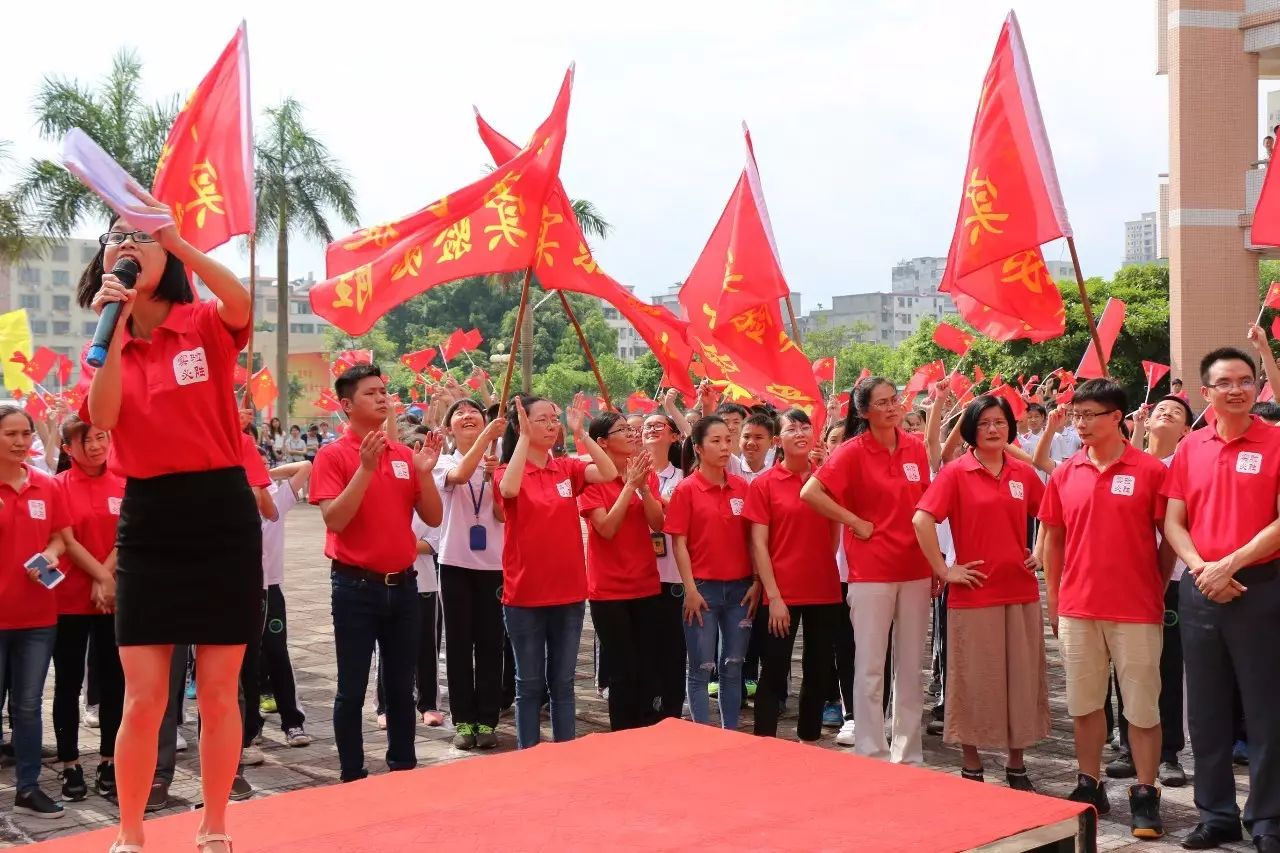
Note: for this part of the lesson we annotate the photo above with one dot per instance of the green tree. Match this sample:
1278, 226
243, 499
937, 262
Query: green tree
14, 236
114, 115
298, 184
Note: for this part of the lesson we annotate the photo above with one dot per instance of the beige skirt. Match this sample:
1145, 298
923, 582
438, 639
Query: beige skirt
997, 691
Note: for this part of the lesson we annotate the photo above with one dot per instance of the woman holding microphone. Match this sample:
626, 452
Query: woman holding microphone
189, 551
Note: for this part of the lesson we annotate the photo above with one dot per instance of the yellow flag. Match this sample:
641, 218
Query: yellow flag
15, 336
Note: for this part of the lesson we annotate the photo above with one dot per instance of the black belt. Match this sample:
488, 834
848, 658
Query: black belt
380, 578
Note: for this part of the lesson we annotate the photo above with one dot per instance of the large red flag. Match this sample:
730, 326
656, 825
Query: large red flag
639, 402
1265, 230
748, 354
565, 263
949, 337
1010, 205
205, 171
493, 225
1108, 330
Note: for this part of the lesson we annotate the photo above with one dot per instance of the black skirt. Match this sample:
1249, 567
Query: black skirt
189, 560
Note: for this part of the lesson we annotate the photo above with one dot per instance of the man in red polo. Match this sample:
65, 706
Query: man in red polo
368, 487
1105, 576
1223, 521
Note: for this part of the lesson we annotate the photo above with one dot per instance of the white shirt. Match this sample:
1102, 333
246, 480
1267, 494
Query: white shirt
668, 479
273, 533
460, 516
739, 468
1179, 567
1058, 449
425, 563
1071, 444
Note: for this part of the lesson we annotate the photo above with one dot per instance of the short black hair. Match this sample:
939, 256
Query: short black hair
973, 413
1103, 391
732, 409
345, 386
1035, 407
1175, 381
73, 428
1186, 407
601, 425
1224, 354
458, 404
763, 420
1268, 411
173, 286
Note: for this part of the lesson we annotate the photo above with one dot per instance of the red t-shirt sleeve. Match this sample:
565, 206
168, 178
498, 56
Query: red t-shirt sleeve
215, 332
939, 497
328, 475
1175, 482
60, 512
254, 466
1051, 502
836, 474
592, 498
679, 511
578, 474
756, 509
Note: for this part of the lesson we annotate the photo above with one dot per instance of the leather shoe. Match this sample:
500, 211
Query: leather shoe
1267, 843
1207, 836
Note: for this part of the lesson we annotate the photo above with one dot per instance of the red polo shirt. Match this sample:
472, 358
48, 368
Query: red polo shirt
380, 536
542, 559
29, 517
882, 488
93, 509
712, 520
178, 408
626, 565
988, 522
1229, 487
1110, 569
255, 467
802, 544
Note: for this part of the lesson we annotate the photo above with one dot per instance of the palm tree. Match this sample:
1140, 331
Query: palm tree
14, 237
298, 180
113, 115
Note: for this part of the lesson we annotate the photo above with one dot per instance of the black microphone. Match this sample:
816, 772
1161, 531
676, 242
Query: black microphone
126, 270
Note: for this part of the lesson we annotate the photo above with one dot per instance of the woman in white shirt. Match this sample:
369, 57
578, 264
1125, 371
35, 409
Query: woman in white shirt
470, 558
661, 438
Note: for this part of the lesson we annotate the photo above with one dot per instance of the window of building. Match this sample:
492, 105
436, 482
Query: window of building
40, 327
271, 305
90, 327
28, 275
302, 328
30, 301
61, 303
61, 278
88, 253
61, 252
61, 327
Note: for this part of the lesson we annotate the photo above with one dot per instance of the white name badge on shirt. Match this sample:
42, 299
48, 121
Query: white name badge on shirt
735, 505
113, 506
1015, 489
912, 470
1249, 463
1122, 484
190, 366
400, 468
565, 489
36, 508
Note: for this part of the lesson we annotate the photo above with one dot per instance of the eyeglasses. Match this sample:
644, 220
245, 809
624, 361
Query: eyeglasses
1087, 418
1222, 386
887, 402
115, 238
656, 428
627, 430
1000, 424
546, 422
798, 429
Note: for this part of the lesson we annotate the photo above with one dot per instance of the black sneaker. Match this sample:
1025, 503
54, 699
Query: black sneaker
73, 787
1091, 791
1172, 775
35, 803
240, 788
1144, 806
105, 784
1018, 780
6, 754
1121, 767
159, 797
971, 775
1206, 836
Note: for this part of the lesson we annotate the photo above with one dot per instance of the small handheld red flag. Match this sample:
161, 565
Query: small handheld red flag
459, 342
418, 359
824, 369
949, 337
38, 366
1154, 371
350, 358
1108, 330
640, 402
1273, 295
262, 389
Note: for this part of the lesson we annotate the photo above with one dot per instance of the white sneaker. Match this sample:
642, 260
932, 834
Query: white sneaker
91, 716
845, 737
251, 756
182, 743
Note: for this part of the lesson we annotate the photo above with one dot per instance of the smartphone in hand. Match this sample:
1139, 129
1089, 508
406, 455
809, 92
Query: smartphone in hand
49, 574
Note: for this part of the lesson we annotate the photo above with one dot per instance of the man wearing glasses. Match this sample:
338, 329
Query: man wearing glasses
1105, 576
1222, 521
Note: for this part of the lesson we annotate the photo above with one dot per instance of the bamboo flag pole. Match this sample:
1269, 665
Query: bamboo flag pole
253, 296
591, 360
1088, 309
795, 327
515, 339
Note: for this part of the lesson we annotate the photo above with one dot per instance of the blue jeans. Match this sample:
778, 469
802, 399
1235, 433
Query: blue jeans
726, 620
24, 656
545, 641
365, 613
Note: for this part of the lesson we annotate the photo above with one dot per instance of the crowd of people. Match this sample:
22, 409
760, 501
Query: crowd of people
703, 542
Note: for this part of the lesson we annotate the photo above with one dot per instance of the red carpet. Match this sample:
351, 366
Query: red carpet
673, 786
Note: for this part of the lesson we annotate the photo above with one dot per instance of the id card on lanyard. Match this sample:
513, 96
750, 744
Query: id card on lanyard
659, 540
479, 535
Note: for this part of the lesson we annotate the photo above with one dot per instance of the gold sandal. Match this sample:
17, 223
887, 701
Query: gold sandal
214, 838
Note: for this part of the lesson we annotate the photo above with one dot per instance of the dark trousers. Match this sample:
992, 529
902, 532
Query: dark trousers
841, 679
365, 615
276, 669
426, 670
167, 754
819, 622
1222, 644
1173, 741
669, 651
939, 656
627, 630
474, 654
77, 635
250, 686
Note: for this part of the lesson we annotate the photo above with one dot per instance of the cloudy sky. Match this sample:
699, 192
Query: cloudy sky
860, 111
